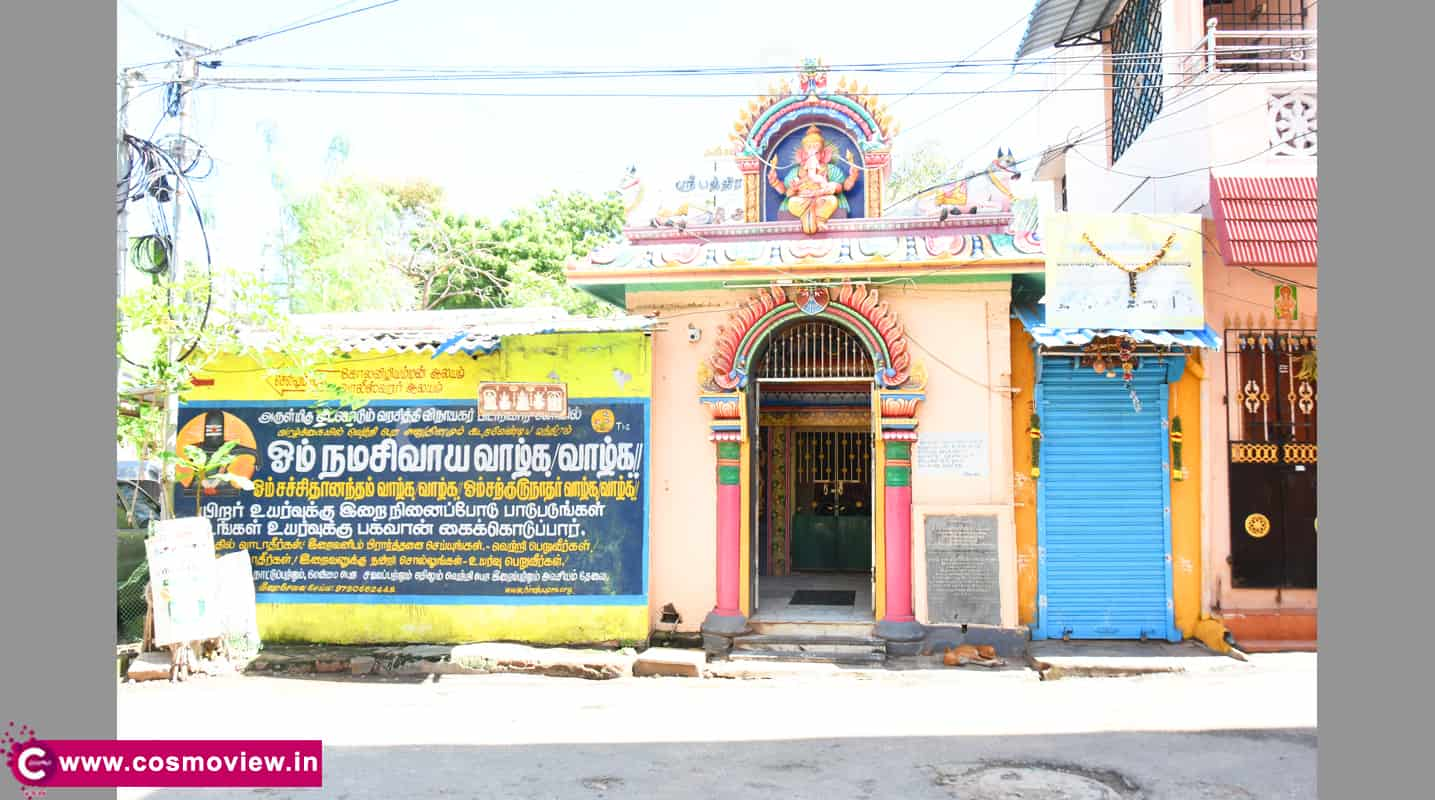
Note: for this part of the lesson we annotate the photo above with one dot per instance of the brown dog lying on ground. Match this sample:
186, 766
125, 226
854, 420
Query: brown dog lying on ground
981, 655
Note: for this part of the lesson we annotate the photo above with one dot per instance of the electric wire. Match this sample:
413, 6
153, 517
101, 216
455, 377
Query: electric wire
288, 28
940, 66
678, 95
455, 74
1091, 133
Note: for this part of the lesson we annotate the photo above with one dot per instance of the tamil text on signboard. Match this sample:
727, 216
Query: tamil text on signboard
428, 500
1130, 271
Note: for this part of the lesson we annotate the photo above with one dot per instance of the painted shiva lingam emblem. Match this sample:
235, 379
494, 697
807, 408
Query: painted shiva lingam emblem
812, 300
815, 186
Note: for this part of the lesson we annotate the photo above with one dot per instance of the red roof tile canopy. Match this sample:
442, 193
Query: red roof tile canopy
1266, 222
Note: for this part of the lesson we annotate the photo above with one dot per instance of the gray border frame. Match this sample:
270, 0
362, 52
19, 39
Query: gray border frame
58, 629
57, 672
1375, 466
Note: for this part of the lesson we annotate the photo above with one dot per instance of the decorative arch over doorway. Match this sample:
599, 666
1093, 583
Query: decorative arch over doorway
853, 307
898, 384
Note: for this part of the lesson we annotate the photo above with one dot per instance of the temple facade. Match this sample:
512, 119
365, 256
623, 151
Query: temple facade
847, 400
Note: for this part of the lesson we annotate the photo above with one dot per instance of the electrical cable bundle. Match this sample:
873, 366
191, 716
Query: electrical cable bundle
152, 174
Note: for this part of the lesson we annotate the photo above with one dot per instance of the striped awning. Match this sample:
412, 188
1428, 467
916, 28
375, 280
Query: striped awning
1055, 23
1033, 319
1266, 222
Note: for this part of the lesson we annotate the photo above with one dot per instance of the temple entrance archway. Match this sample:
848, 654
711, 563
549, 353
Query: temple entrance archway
837, 356
813, 441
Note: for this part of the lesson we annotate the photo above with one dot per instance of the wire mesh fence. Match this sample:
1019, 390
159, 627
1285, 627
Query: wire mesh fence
130, 605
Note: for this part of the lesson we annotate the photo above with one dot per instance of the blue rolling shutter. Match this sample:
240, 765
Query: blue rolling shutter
1103, 514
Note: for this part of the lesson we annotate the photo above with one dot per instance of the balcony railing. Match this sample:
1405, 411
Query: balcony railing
1223, 50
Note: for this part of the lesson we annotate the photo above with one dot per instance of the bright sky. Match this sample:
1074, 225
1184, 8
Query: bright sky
491, 153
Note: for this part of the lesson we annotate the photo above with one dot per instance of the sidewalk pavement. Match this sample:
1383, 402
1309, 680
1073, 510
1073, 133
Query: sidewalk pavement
1055, 659
1049, 660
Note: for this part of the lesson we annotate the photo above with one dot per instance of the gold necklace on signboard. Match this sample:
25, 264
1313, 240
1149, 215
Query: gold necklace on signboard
1132, 272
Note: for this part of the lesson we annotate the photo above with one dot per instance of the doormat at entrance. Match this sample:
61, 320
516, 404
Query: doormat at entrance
823, 597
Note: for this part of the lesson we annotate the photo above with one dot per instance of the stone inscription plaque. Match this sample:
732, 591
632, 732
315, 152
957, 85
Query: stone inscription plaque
962, 577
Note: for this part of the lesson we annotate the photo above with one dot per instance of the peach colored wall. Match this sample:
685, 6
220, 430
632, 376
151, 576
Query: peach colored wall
682, 560
1187, 550
968, 327
1237, 293
1185, 23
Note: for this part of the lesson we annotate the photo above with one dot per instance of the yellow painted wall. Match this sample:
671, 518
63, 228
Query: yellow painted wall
352, 623
1186, 500
1023, 377
610, 364
584, 361
1185, 494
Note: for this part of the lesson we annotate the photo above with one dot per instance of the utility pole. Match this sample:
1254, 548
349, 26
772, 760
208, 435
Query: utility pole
187, 72
123, 174
122, 166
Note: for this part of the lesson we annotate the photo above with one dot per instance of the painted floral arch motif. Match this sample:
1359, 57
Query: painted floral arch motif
856, 308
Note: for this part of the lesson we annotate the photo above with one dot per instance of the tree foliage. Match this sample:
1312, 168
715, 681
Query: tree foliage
517, 261
166, 333
362, 246
924, 166
347, 239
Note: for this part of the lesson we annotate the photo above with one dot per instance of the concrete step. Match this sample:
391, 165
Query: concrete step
847, 658
788, 628
788, 643
1277, 646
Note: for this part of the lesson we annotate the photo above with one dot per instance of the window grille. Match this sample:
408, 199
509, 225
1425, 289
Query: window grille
1136, 97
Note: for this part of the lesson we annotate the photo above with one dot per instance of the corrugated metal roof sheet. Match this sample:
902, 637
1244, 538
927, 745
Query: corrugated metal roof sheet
1266, 221
1054, 21
1033, 318
440, 332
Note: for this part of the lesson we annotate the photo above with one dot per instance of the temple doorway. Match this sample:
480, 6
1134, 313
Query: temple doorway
812, 481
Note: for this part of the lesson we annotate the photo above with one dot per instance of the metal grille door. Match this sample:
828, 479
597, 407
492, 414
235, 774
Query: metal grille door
1103, 506
1271, 408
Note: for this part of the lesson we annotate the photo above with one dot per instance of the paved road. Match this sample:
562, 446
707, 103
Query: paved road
1237, 731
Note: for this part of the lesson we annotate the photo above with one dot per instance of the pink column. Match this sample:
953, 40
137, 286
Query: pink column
897, 512
729, 548
898, 624
726, 619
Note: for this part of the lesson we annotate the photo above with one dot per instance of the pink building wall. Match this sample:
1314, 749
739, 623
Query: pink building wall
1235, 293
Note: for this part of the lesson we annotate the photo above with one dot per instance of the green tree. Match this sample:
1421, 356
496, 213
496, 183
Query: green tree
357, 245
922, 167
585, 222
342, 255
460, 262
165, 334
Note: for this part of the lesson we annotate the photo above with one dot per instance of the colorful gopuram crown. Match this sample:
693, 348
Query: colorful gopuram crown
856, 126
